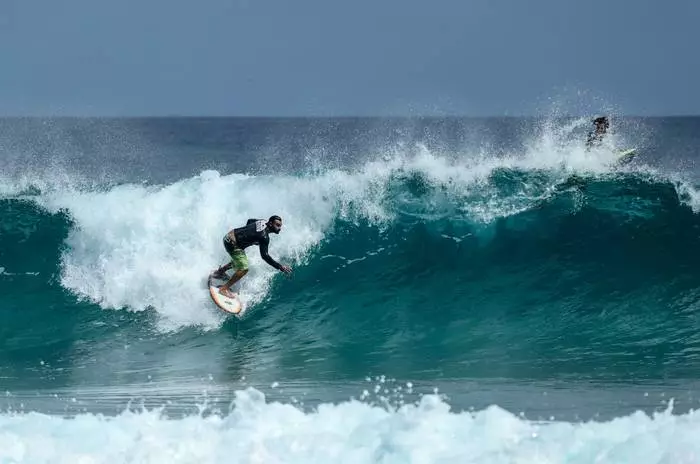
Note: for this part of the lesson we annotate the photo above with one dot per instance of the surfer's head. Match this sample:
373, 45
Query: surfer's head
601, 123
274, 224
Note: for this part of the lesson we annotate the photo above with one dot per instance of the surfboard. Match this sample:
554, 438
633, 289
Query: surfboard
230, 305
625, 156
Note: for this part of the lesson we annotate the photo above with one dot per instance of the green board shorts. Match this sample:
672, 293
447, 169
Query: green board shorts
239, 260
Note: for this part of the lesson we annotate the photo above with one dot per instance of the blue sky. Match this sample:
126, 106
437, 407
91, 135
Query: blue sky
359, 57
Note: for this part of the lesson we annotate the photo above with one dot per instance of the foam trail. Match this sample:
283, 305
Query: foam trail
352, 432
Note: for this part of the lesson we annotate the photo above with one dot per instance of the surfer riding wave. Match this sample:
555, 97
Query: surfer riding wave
255, 232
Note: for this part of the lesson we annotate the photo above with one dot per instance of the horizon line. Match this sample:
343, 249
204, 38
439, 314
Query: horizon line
425, 116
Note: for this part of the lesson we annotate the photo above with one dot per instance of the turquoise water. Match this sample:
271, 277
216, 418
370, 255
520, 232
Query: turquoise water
480, 290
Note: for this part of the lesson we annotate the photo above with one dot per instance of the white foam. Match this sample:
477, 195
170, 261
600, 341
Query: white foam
688, 195
4, 271
140, 247
350, 432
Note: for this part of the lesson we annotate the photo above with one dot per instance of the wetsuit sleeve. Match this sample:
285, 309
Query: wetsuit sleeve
250, 221
263, 254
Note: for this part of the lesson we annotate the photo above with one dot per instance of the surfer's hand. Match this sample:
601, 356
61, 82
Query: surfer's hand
285, 269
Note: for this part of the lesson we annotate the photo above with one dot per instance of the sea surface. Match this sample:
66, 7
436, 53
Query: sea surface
464, 290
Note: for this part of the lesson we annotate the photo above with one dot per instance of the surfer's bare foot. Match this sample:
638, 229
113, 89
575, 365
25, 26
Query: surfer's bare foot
226, 292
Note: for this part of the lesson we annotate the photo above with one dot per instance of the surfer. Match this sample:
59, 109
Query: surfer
595, 137
255, 232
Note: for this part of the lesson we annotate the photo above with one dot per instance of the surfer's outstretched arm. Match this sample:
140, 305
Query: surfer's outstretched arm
268, 259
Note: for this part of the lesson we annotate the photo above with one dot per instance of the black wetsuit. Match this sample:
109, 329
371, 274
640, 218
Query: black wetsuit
253, 233
594, 138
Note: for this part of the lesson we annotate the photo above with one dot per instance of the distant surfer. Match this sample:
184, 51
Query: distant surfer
255, 232
595, 137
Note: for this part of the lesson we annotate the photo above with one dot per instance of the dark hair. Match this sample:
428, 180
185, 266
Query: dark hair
274, 217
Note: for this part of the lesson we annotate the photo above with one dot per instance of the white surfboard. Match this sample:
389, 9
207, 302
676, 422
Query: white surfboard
625, 156
230, 305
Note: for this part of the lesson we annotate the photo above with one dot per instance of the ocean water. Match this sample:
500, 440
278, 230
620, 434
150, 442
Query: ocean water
464, 290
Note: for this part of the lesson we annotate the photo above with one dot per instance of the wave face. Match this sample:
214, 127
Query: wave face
420, 253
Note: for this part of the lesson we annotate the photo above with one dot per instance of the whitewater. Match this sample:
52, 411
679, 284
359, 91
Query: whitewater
350, 432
